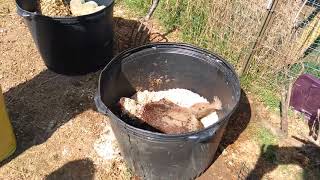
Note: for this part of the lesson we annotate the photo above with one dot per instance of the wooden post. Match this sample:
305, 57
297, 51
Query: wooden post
284, 112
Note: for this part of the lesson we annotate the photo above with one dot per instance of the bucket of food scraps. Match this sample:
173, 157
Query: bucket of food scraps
73, 37
169, 105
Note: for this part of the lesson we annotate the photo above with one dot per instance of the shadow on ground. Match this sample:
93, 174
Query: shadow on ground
128, 36
38, 107
307, 157
237, 123
80, 169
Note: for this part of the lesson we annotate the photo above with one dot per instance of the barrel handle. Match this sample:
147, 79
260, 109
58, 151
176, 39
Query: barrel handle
204, 137
25, 14
100, 105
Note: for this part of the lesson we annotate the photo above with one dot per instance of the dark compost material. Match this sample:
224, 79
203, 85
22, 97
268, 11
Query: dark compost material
152, 155
71, 45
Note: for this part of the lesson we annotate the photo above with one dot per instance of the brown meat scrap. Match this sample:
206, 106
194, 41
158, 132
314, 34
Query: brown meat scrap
203, 109
168, 117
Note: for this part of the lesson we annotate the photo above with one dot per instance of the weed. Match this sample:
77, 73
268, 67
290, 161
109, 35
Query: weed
264, 92
309, 66
268, 142
139, 6
246, 81
266, 137
230, 28
269, 98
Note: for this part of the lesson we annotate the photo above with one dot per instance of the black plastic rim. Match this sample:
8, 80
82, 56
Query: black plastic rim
169, 137
64, 18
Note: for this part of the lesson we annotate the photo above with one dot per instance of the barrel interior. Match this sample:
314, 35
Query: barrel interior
165, 68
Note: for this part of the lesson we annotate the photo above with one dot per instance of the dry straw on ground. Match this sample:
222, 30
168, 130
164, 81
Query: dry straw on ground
231, 27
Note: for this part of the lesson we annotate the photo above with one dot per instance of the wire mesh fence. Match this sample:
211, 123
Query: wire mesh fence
271, 42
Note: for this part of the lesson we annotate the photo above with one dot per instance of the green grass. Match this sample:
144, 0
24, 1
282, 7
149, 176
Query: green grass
268, 97
170, 15
266, 137
268, 142
191, 18
310, 67
264, 92
139, 6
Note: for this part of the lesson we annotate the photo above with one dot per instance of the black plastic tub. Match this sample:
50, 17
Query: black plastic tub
153, 155
71, 45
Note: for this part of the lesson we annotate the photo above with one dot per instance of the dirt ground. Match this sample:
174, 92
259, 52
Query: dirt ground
60, 134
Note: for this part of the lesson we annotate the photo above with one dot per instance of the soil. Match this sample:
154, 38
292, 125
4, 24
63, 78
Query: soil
57, 126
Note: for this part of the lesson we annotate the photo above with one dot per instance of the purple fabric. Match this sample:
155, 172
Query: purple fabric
305, 95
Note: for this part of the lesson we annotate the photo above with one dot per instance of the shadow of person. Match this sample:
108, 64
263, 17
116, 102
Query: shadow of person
38, 107
83, 169
307, 157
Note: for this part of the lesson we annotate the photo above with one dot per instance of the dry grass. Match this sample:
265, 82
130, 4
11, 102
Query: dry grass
69, 104
283, 44
231, 27
53, 116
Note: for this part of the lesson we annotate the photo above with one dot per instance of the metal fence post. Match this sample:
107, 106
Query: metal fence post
270, 7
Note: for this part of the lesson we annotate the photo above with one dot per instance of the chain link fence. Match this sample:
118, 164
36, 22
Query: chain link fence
269, 42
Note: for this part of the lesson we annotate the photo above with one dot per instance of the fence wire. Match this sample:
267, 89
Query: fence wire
288, 47
277, 40
274, 41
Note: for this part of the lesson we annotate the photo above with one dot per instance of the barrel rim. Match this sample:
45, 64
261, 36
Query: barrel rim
193, 136
62, 18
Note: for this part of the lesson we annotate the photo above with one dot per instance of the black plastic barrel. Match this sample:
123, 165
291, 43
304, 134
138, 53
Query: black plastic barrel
71, 45
153, 155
